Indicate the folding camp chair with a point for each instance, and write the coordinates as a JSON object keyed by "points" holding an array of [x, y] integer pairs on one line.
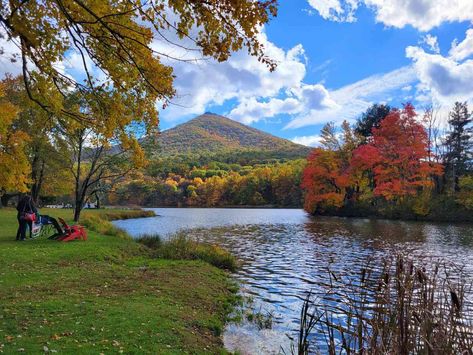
{"points": [[42, 227], [75, 232]]}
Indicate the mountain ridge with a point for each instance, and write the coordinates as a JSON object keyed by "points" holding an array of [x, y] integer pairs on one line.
{"points": [[214, 133]]}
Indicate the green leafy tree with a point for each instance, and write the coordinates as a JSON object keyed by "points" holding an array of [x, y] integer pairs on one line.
{"points": [[46, 162], [96, 155], [465, 196]]}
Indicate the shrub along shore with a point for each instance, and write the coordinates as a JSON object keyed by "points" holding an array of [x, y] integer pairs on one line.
{"points": [[110, 294], [440, 209]]}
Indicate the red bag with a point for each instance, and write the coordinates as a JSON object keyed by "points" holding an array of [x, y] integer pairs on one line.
{"points": [[29, 217]]}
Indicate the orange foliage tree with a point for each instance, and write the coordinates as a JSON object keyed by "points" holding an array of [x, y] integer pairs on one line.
{"points": [[14, 166], [324, 180]]}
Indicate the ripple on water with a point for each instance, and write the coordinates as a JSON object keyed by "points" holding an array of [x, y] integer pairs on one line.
{"points": [[281, 262]]}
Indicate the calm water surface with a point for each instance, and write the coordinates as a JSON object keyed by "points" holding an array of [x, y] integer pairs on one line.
{"points": [[286, 253]]}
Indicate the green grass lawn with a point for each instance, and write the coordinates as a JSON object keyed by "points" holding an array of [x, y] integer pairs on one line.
{"points": [[105, 295]]}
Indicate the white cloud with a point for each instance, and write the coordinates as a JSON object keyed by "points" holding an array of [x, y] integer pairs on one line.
{"points": [[206, 82], [376, 86], [314, 104], [354, 98], [444, 78], [10, 61], [298, 100], [431, 42], [250, 110], [336, 10], [71, 65], [345, 111], [322, 67], [421, 14], [74, 67], [314, 97], [311, 141], [464, 49]]}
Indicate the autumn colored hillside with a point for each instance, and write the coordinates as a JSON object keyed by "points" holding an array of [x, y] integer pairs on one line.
{"points": [[214, 161], [213, 133]]}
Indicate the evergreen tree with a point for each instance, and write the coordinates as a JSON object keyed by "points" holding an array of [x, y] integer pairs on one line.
{"points": [[458, 144], [371, 119]]}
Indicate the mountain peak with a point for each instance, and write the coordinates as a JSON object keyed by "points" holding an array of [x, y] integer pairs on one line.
{"points": [[214, 133], [209, 116]]}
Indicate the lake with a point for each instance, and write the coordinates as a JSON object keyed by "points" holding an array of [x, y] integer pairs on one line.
{"points": [[285, 253]]}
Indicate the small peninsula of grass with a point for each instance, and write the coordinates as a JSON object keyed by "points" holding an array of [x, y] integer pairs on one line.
{"points": [[106, 295], [179, 247]]}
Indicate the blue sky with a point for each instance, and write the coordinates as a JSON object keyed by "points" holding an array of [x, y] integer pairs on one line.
{"points": [[336, 62], [335, 58]]}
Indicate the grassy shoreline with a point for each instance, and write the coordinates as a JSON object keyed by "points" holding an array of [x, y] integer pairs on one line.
{"points": [[106, 295]]}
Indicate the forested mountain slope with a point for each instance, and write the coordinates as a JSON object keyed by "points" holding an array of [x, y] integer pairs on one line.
{"points": [[211, 133]]}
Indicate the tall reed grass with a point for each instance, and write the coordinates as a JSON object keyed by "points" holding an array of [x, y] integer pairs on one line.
{"points": [[397, 306]]}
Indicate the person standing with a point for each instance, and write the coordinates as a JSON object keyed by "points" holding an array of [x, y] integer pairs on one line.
{"points": [[25, 208]]}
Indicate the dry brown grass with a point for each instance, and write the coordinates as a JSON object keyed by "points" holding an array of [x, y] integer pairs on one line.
{"points": [[397, 306]]}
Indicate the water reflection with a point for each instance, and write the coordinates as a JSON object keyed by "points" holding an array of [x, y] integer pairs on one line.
{"points": [[285, 253], [172, 220]]}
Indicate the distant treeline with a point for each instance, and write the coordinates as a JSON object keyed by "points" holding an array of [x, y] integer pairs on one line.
{"points": [[193, 181], [394, 163]]}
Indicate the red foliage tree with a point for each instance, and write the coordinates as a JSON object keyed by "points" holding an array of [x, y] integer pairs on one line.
{"points": [[397, 155]]}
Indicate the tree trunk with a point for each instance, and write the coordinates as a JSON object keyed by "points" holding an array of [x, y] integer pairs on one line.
{"points": [[97, 200], [38, 177], [78, 201], [77, 210], [34, 175]]}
